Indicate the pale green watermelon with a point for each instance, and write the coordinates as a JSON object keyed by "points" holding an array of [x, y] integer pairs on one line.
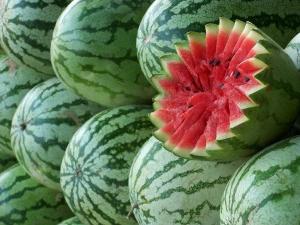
{"points": [[93, 51], [15, 82], [26, 31], [169, 190], [42, 127], [95, 168], [23, 201], [266, 190]]}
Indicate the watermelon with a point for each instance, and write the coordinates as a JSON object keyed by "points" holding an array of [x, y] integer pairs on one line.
{"points": [[167, 22], [15, 82], [71, 221], [293, 50], [26, 31], [266, 190], [23, 201], [221, 88], [95, 57], [95, 168], [42, 126], [6, 161], [166, 189]]}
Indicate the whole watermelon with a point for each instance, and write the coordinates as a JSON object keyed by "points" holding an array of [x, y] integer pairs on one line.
{"points": [[95, 168], [42, 126], [26, 31], [93, 51], [266, 190], [71, 221], [15, 82], [166, 189], [167, 22], [23, 201]]}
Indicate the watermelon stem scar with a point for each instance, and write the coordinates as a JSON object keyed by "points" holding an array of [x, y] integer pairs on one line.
{"points": [[23, 126], [213, 86]]}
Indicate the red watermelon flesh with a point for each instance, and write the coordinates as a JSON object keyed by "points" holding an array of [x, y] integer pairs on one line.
{"points": [[206, 89]]}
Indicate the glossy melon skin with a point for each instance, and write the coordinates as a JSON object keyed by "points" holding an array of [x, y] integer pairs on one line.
{"points": [[95, 168], [23, 201], [166, 189], [26, 31], [42, 127], [266, 189], [167, 21], [293, 50], [100, 63]]}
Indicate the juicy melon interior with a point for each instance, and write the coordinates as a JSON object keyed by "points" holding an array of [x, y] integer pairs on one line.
{"points": [[207, 86]]}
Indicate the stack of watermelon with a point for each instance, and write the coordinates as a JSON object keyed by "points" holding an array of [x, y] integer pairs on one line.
{"points": [[156, 112]]}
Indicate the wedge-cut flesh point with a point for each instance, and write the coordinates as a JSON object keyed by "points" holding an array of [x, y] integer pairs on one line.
{"points": [[207, 88]]}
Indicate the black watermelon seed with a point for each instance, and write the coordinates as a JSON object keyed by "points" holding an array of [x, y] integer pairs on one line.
{"points": [[214, 62], [236, 74], [247, 79]]}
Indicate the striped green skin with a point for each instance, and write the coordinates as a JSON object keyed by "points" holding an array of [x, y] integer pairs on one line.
{"points": [[95, 168], [23, 201], [166, 189], [293, 50], [71, 221], [26, 31], [42, 126], [266, 190], [97, 60], [167, 21], [15, 82], [6, 161]]}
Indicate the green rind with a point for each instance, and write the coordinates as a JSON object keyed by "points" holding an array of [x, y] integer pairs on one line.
{"points": [[95, 168], [26, 31], [71, 221], [51, 115], [97, 60], [266, 190], [23, 201], [6, 161], [15, 82], [167, 21], [166, 189]]}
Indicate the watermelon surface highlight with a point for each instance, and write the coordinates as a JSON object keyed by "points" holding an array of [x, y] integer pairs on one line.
{"points": [[219, 91]]}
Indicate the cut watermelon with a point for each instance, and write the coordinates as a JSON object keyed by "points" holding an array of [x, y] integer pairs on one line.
{"points": [[227, 93]]}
